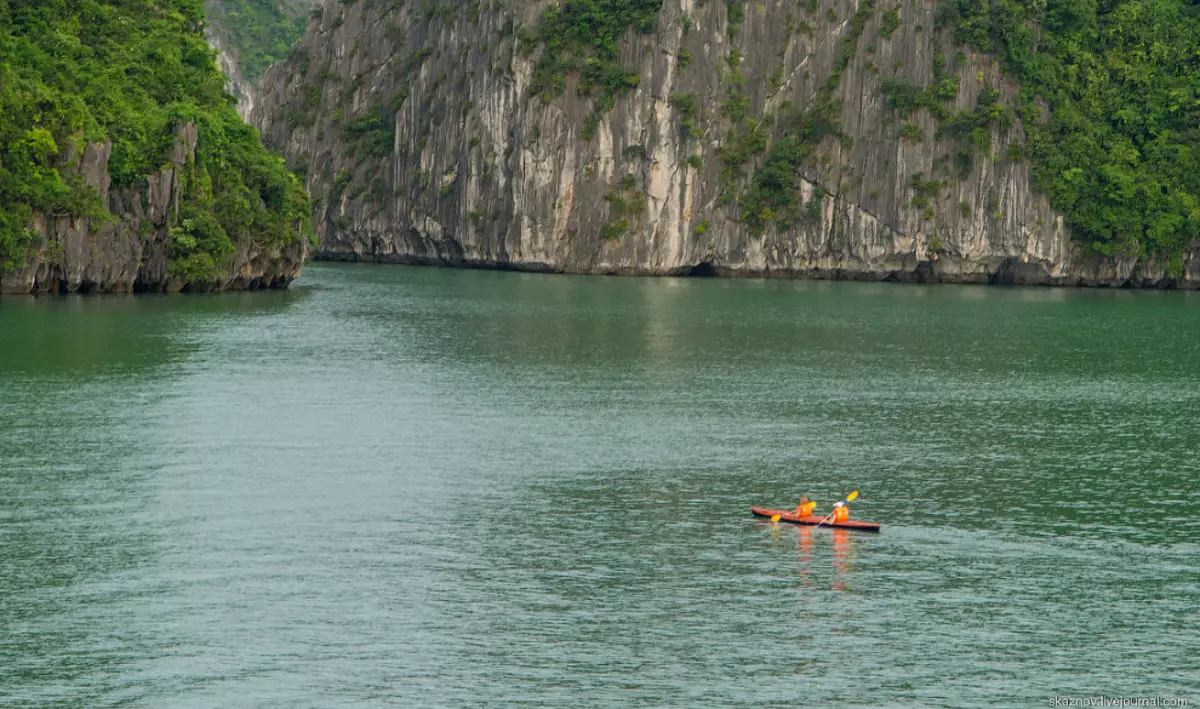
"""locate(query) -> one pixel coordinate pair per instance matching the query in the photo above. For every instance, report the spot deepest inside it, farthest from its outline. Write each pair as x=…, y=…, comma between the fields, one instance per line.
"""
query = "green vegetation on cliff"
x=775, y=193
x=579, y=38
x=130, y=72
x=1120, y=152
x=1109, y=101
x=259, y=32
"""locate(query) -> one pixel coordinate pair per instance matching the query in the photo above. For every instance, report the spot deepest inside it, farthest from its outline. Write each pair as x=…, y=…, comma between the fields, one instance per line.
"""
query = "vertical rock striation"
x=422, y=143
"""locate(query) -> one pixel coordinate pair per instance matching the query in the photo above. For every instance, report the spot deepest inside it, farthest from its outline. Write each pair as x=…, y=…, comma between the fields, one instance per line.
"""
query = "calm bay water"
x=395, y=487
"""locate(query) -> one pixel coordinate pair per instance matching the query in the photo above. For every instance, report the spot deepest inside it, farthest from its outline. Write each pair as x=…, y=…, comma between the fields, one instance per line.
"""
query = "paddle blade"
x=851, y=496
x=774, y=518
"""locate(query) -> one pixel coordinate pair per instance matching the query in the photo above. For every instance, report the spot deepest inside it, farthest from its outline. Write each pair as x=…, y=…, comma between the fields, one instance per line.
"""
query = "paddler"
x=841, y=512
x=805, y=507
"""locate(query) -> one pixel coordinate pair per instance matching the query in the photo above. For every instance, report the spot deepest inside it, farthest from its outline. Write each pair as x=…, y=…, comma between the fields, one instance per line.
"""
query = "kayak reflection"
x=808, y=554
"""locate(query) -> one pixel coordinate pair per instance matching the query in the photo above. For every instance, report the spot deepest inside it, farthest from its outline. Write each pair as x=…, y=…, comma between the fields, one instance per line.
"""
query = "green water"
x=403, y=487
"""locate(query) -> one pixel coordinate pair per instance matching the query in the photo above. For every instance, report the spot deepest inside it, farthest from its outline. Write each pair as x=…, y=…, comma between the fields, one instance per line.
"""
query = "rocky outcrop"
x=129, y=251
x=422, y=143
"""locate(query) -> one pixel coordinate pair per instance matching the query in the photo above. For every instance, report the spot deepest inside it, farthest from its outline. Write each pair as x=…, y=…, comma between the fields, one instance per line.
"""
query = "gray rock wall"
x=481, y=173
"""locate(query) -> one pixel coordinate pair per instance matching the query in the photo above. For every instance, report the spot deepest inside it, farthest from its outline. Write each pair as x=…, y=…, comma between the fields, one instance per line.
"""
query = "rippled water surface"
x=399, y=487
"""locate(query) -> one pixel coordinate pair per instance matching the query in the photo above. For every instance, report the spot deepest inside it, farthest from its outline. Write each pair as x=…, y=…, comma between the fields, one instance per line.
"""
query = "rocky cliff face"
x=129, y=251
x=422, y=143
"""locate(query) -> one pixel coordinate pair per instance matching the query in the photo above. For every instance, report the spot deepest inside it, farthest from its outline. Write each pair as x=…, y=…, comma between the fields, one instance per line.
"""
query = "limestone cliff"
x=129, y=251
x=422, y=142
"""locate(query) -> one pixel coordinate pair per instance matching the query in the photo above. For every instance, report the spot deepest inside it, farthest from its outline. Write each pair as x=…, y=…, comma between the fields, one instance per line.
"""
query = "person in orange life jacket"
x=805, y=507
x=841, y=512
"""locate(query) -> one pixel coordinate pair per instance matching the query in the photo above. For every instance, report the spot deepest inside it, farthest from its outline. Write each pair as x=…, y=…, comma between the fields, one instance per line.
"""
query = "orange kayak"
x=791, y=516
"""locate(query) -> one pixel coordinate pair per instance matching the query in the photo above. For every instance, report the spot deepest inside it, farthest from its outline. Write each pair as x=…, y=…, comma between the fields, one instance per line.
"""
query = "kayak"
x=791, y=516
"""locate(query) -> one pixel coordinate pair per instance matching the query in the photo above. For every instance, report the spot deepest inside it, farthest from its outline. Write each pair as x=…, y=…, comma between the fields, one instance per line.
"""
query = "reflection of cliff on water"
x=873, y=330
x=129, y=334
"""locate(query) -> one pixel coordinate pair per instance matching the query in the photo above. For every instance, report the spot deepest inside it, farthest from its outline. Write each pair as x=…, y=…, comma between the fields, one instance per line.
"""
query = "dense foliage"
x=1119, y=153
x=130, y=72
x=260, y=32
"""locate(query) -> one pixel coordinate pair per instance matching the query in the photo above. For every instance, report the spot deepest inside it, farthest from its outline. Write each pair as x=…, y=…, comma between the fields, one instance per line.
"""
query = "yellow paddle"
x=774, y=518
x=849, y=498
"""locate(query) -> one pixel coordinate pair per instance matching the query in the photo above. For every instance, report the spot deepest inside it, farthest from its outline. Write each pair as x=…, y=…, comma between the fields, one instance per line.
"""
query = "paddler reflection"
x=804, y=544
x=842, y=552
x=842, y=549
